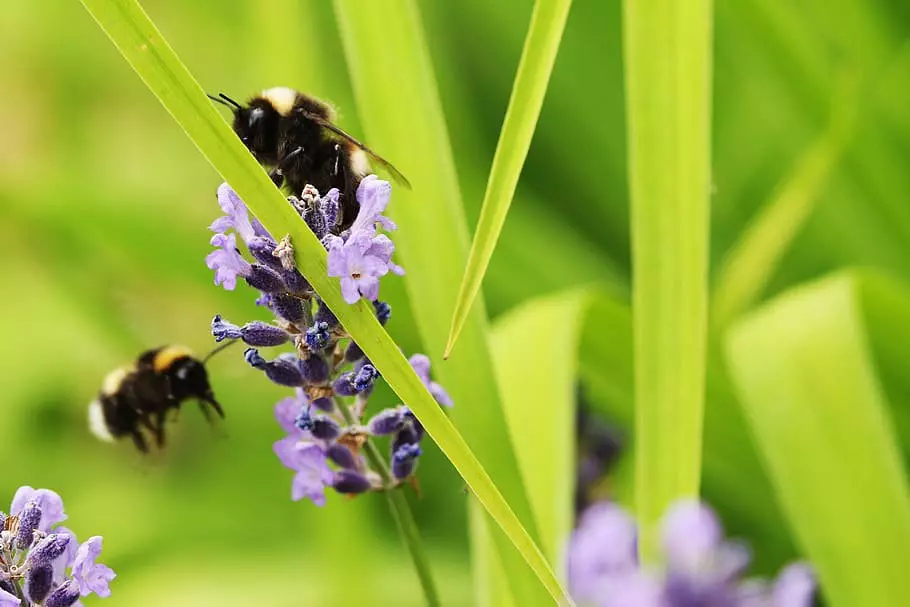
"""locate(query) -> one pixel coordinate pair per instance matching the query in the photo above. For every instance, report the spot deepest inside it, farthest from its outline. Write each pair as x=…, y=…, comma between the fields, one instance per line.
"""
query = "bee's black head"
x=257, y=125
x=190, y=380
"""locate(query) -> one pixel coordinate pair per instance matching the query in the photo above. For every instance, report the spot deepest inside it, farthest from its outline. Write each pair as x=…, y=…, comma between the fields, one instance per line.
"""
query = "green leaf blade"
x=541, y=45
x=668, y=106
x=144, y=48
x=398, y=103
x=803, y=367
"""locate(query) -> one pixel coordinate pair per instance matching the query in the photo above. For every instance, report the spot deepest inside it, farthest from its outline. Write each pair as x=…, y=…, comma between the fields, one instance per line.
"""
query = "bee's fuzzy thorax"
x=166, y=356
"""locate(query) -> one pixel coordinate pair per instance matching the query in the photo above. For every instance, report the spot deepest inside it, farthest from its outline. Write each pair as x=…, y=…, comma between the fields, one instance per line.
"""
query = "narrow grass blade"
x=398, y=103
x=805, y=373
x=751, y=262
x=145, y=49
x=537, y=58
x=668, y=106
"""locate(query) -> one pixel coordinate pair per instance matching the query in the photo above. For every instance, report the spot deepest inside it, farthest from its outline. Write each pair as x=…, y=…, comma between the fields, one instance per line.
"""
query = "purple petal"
x=691, y=534
x=636, y=589
x=227, y=261
x=8, y=600
x=92, y=576
x=373, y=195
x=439, y=393
x=794, y=587
x=338, y=259
x=49, y=501
x=296, y=451
x=369, y=287
x=349, y=290
x=421, y=365
x=287, y=410
x=602, y=547
x=312, y=477
x=381, y=246
x=69, y=555
x=236, y=212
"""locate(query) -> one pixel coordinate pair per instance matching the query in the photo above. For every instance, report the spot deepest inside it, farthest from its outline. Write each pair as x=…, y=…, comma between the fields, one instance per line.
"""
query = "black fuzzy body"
x=159, y=381
x=296, y=144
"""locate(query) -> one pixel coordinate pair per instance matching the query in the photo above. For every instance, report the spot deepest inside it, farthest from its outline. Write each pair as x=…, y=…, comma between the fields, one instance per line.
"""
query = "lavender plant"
x=325, y=420
x=35, y=552
x=701, y=569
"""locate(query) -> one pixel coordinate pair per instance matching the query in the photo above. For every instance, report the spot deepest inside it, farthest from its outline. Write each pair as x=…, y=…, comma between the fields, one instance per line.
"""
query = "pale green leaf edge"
x=538, y=56
x=804, y=370
x=136, y=37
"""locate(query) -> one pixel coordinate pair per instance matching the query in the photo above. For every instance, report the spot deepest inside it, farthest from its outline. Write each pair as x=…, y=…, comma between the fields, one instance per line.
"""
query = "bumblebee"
x=295, y=135
x=136, y=398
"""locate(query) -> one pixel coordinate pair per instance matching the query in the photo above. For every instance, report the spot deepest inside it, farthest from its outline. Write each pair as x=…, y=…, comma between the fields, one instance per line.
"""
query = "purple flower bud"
x=222, y=329
x=383, y=311
x=315, y=369
x=38, y=583
x=258, y=333
x=404, y=459
x=364, y=377
x=323, y=314
x=342, y=456
x=329, y=207
x=265, y=279
x=385, y=422
x=324, y=404
x=325, y=428
x=48, y=549
x=287, y=307
x=353, y=353
x=351, y=482
x=295, y=281
x=317, y=337
x=29, y=519
x=263, y=249
x=343, y=386
x=283, y=370
x=315, y=220
x=64, y=596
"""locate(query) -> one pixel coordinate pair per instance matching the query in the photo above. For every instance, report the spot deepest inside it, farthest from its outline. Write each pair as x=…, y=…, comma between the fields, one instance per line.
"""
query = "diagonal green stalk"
x=537, y=58
x=668, y=108
x=144, y=48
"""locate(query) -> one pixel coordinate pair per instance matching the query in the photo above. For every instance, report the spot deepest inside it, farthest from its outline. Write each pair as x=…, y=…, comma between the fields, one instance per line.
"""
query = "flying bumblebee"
x=295, y=135
x=137, y=397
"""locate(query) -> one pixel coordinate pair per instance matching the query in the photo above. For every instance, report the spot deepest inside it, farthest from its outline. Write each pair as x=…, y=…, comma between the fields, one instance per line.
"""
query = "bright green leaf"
x=541, y=45
x=145, y=49
x=805, y=372
x=398, y=104
x=668, y=107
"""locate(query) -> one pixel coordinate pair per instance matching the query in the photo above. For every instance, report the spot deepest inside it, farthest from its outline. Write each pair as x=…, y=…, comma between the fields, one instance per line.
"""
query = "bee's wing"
x=395, y=173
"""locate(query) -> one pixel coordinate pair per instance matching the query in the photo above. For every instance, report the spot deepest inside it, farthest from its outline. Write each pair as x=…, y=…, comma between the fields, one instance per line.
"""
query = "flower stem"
x=402, y=514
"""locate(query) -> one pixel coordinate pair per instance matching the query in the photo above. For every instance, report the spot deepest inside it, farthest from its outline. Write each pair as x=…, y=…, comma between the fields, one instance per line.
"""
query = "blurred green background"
x=105, y=205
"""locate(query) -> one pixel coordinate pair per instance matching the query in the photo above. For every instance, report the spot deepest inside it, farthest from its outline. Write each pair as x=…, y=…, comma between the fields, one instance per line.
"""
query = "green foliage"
x=804, y=368
x=668, y=60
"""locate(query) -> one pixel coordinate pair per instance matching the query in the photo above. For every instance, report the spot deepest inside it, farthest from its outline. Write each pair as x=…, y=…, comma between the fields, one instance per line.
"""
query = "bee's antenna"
x=218, y=349
x=219, y=100
x=231, y=101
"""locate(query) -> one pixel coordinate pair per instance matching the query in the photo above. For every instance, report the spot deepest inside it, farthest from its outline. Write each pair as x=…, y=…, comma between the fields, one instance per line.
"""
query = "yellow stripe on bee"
x=167, y=355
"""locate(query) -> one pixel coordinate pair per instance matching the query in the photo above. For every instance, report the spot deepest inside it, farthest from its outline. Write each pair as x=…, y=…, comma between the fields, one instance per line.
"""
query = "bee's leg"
x=139, y=441
x=203, y=406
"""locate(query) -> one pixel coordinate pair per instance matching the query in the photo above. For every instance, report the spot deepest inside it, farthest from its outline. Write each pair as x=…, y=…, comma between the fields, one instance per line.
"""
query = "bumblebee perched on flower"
x=137, y=397
x=295, y=134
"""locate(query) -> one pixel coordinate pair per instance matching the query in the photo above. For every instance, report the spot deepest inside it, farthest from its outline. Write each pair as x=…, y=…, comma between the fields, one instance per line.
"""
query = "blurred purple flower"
x=702, y=569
